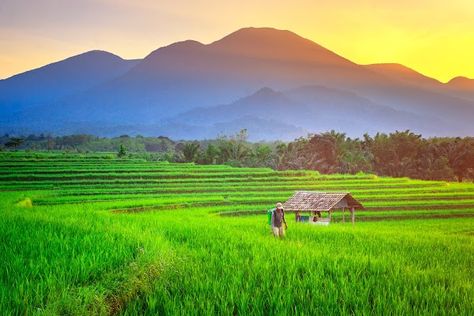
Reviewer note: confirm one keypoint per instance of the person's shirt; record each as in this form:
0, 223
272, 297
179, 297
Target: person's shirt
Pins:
278, 218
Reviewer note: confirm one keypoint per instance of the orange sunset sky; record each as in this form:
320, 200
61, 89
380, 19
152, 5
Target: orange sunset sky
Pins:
433, 37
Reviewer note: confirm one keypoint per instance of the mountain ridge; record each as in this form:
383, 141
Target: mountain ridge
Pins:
188, 76
59, 79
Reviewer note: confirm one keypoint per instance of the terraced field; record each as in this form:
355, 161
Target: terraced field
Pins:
91, 234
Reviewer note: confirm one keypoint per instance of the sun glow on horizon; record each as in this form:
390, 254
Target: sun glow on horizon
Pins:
435, 38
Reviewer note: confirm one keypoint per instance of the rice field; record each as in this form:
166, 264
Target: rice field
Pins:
89, 234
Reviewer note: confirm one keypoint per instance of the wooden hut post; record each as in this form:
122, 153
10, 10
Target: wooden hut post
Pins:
343, 215
329, 215
353, 215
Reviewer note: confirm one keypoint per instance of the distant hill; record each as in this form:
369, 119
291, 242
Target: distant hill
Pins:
189, 86
45, 85
462, 86
462, 83
314, 108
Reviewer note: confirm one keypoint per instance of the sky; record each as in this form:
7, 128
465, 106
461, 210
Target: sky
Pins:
434, 37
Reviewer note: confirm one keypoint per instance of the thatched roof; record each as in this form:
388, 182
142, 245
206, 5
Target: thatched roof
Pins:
320, 201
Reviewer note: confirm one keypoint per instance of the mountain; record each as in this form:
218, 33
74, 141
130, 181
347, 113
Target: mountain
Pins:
404, 74
458, 87
258, 129
189, 74
204, 87
264, 103
312, 108
462, 86
73, 75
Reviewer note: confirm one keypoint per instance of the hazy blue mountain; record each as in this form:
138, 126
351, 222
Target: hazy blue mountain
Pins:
189, 89
188, 74
258, 129
45, 85
316, 109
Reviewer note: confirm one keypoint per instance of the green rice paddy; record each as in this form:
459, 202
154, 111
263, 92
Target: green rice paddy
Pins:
91, 234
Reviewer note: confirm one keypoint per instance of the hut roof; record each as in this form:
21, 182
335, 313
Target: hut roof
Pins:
319, 201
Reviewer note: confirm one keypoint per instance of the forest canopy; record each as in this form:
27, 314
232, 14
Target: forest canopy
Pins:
398, 154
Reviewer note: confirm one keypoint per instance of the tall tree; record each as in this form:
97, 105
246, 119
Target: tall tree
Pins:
234, 149
14, 142
211, 154
460, 154
191, 151
122, 152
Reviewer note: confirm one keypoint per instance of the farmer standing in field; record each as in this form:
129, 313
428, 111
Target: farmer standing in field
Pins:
278, 219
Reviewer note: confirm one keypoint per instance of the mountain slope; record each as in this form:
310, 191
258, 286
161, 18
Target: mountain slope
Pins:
404, 74
263, 103
319, 90
316, 109
189, 74
458, 87
461, 83
51, 82
462, 86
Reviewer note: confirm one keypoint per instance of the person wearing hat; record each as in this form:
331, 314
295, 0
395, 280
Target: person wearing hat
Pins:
278, 219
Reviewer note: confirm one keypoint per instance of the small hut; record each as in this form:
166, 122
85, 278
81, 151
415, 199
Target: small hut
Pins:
317, 202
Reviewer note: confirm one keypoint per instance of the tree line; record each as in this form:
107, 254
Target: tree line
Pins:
398, 154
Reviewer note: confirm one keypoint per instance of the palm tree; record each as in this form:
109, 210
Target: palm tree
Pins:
190, 151
461, 157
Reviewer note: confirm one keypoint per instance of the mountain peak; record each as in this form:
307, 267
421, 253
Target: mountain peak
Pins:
93, 55
265, 91
97, 52
259, 36
178, 47
461, 82
271, 43
187, 44
258, 32
264, 95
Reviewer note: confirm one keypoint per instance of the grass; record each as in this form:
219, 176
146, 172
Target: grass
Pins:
66, 250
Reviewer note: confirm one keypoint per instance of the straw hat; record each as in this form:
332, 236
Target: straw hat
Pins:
279, 205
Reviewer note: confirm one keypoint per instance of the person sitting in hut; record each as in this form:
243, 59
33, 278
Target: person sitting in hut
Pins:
298, 216
278, 219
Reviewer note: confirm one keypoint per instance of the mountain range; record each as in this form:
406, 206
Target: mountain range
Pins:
273, 82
